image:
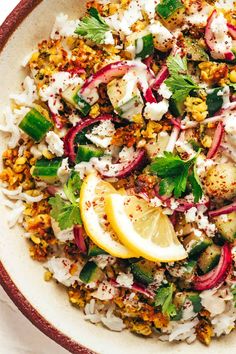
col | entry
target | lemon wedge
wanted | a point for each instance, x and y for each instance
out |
(143, 229)
(96, 224)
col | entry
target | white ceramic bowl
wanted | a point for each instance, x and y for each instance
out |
(46, 304)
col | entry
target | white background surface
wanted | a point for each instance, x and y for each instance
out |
(17, 334)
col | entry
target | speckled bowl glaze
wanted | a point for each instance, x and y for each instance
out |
(46, 304)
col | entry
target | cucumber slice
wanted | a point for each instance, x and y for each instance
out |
(143, 271)
(95, 251)
(35, 125)
(129, 109)
(144, 46)
(177, 108)
(195, 300)
(127, 104)
(168, 7)
(72, 96)
(47, 170)
(214, 101)
(195, 245)
(196, 51)
(86, 152)
(226, 225)
(209, 258)
(90, 273)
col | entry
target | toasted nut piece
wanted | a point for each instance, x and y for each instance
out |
(204, 331)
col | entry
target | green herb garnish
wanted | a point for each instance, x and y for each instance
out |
(164, 298)
(175, 174)
(93, 27)
(179, 82)
(67, 213)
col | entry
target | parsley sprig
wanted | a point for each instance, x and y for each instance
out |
(164, 298)
(93, 27)
(175, 174)
(179, 82)
(67, 213)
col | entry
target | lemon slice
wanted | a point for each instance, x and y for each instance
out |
(143, 229)
(96, 224)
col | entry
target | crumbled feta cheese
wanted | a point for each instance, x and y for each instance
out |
(109, 38)
(55, 144)
(63, 172)
(162, 36)
(122, 21)
(156, 111)
(197, 232)
(225, 4)
(126, 280)
(225, 93)
(190, 215)
(126, 154)
(84, 168)
(203, 165)
(62, 235)
(199, 18)
(164, 91)
(64, 27)
(105, 291)
(222, 41)
(104, 260)
(230, 128)
(173, 204)
(58, 83)
(102, 134)
(156, 202)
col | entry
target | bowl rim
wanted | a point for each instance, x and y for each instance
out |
(11, 23)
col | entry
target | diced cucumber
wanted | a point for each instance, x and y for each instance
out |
(90, 273)
(180, 299)
(177, 108)
(143, 271)
(86, 152)
(195, 245)
(47, 170)
(35, 125)
(167, 8)
(95, 251)
(144, 46)
(72, 96)
(141, 44)
(195, 300)
(127, 104)
(209, 258)
(195, 50)
(226, 225)
(214, 101)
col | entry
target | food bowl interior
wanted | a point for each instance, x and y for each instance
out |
(49, 299)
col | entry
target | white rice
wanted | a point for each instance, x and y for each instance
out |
(60, 268)
(29, 94)
(97, 313)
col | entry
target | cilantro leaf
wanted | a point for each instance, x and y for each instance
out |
(65, 213)
(196, 185)
(179, 82)
(168, 165)
(175, 174)
(164, 298)
(72, 187)
(166, 186)
(93, 27)
(181, 86)
(177, 65)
